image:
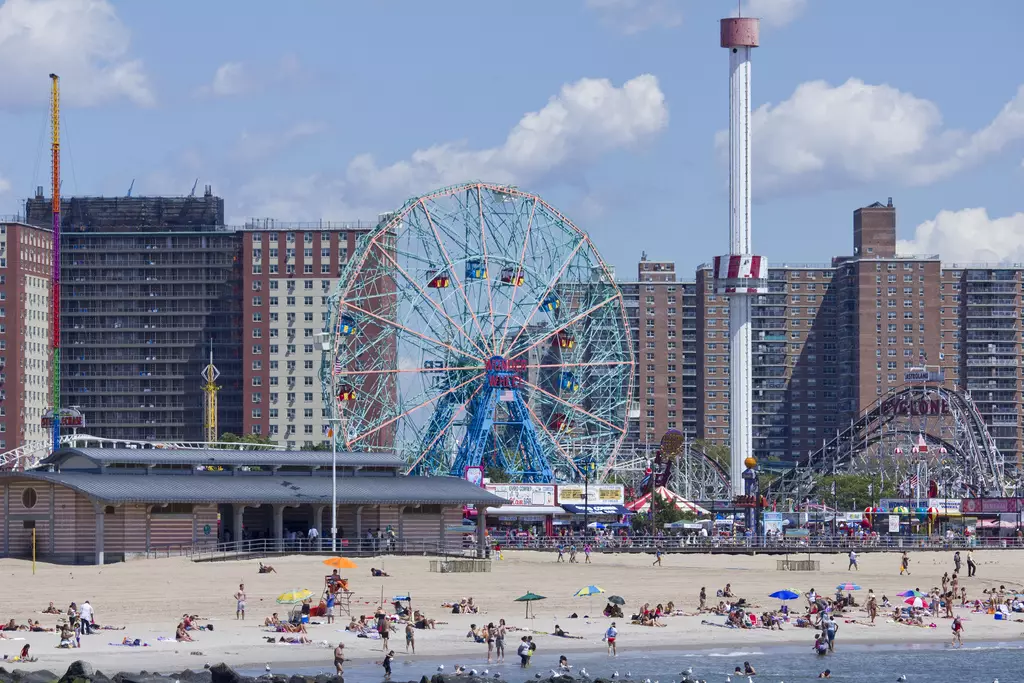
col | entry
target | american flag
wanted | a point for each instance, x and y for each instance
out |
(909, 485)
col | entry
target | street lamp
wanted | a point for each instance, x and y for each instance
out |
(326, 347)
(588, 462)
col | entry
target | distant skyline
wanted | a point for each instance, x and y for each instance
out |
(612, 110)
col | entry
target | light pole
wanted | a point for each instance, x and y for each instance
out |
(325, 346)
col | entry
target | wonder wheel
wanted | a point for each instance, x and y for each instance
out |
(478, 327)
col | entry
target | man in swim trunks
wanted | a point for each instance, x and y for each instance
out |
(339, 658)
(240, 603)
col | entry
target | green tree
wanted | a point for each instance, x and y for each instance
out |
(720, 453)
(497, 475)
(852, 490)
(255, 439)
(322, 446)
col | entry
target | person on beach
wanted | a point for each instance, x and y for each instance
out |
(853, 561)
(958, 631)
(488, 635)
(572, 554)
(703, 599)
(531, 647)
(971, 567)
(240, 603)
(524, 653)
(956, 562)
(386, 663)
(586, 553)
(499, 642)
(339, 659)
(561, 553)
(657, 557)
(905, 563)
(410, 638)
(384, 629)
(872, 608)
(610, 635)
(331, 597)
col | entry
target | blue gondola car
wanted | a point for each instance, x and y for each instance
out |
(568, 382)
(551, 304)
(347, 326)
(475, 270)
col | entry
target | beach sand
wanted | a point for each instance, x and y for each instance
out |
(149, 597)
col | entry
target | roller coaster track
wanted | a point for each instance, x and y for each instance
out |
(968, 445)
(695, 475)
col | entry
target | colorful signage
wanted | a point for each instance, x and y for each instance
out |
(524, 494)
(604, 494)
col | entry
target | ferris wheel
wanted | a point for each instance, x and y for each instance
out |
(478, 327)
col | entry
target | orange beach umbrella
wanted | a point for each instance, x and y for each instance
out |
(340, 563)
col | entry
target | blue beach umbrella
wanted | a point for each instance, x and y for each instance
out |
(785, 595)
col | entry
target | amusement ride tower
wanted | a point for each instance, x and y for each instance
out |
(739, 274)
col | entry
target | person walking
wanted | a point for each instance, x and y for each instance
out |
(831, 628)
(958, 632)
(339, 659)
(853, 561)
(410, 638)
(87, 617)
(386, 663)
(971, 567)
(905, 563)
(956, 562)
(610, 635)
(586, 553)
(657, 557)
(240, 603)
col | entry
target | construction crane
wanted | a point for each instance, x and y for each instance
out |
(210, 374)
(55, 284)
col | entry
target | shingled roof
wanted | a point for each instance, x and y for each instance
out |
(189, 488)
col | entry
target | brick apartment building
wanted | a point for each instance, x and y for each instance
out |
(289, 272)
(26, 258)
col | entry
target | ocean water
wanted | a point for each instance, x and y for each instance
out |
(974, 663)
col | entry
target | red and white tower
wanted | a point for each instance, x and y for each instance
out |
(740, 275)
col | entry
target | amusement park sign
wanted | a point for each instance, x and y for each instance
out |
(605, 494)
(915, 406)
(524, 494)
(922, 376)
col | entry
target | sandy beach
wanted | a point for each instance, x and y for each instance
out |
(148, 597)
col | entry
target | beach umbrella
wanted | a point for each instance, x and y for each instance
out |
(917, 602)
(848, 587)
(912, 593)
(528, 598)
(588, 590)
(785, 595)
(292, 596)
(340, 563)
(617, 600)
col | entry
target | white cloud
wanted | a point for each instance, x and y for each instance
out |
(586, 119)
(635, 16)
(260, 146)
(5, 185)
(825, 136)
(774, 12)
(969, 236)
(236, 78)
(83, 41)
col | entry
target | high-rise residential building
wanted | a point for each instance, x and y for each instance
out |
(148, 284)
(25, 381)
(288, 274)
(793, 361)
(989, 349)
(662, 321)
(888, 311)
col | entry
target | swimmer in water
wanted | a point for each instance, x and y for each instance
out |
(827, 673)
(748, 670)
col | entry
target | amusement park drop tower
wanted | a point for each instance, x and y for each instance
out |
(739, 274)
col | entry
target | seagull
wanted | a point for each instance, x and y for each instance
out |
(486, 671)
(615, 675)
(266, 668)
(472, 672)
(583, 672)
(440, 668)
(902, 677)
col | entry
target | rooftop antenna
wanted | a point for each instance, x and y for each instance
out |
(193, 192)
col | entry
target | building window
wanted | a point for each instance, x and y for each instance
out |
(29, 498)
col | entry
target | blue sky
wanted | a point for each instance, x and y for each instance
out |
(338, 110)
